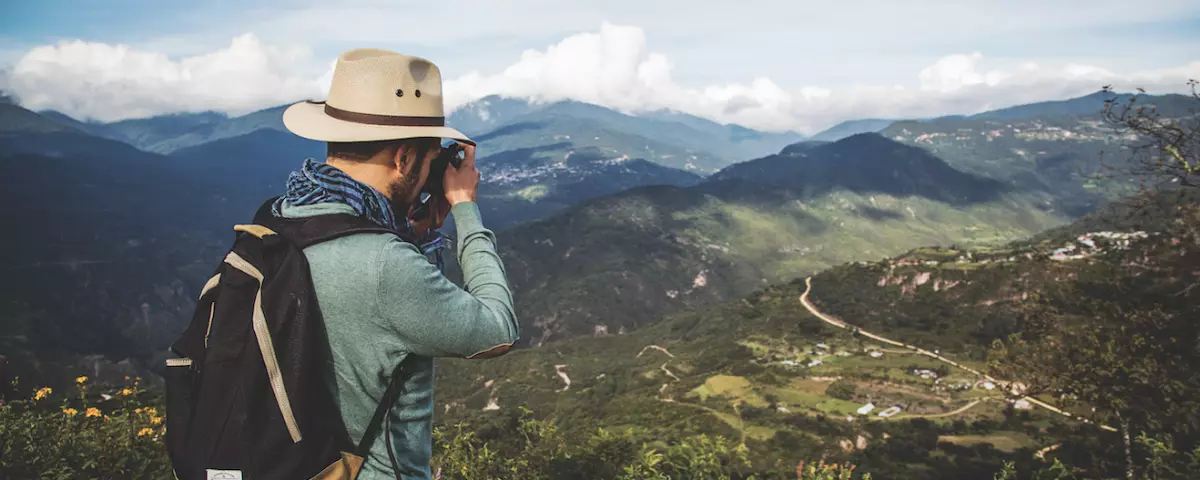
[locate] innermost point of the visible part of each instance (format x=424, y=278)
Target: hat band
x=393, y=120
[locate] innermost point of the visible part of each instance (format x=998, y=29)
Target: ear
x=402, y=159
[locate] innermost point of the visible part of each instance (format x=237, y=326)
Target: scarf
x=319, y=182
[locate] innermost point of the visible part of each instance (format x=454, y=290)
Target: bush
x=83, y=435
x=841, y=389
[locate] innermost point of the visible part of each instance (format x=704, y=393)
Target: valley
x=858, y=298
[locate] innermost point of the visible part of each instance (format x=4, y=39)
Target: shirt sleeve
x=432, y=315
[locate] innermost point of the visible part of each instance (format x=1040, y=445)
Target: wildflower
x=81, y=379
x=94, y=412
x=152, y=412
x=42, y=393
x=156, y=420
x=145, y=431
x=126, y=392
x=71, y=412
x=139, y=410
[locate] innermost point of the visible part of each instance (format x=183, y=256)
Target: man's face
x=406, y=187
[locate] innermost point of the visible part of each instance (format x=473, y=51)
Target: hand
x=462, y=184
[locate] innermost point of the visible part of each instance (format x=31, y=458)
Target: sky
x=780, y=65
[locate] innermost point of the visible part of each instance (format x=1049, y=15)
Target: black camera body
x=437, y=169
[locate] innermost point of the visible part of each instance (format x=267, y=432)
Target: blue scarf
x=318, y=182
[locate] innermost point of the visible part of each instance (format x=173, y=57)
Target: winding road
x=843, y=325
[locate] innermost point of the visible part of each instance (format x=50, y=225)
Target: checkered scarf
x=319, y=182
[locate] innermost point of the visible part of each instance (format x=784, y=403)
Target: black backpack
x=246, y=397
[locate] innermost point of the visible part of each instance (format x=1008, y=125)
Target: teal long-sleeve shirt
x=384, y=302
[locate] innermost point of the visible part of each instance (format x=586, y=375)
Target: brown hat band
x=373, y=119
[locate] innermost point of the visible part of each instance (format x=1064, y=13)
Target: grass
x=1006, y=442
x=531, y=193
x=729, y=386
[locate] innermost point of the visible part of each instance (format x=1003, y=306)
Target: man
x=382, y=300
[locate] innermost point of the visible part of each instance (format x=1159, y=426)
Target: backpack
x=246, y=397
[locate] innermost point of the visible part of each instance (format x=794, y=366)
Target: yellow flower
x=127, y=391
x=137, y=411
x=80, y=379
x=156, y=420
x=42, y=393
x=93, y=412
x=70, y=412
x=152, y=412
x=145, y=431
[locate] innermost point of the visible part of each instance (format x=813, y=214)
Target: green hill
x=661, y=249
x=745, y=368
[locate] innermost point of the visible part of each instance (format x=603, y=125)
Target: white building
x=1022, y=404
x=889, y=412
x=814, y=363
x=865, y=409
x=875, y=354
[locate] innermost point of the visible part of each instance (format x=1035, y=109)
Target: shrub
x=83, y=435
x=841, y=389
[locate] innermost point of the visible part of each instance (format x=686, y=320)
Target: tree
x=841, y=389
x=1163, y=146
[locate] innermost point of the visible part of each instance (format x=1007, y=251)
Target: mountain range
x=107, y=263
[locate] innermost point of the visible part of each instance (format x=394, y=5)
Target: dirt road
x=843, y=325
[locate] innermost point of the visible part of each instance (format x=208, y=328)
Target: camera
x=437, y=169
x=433, y=184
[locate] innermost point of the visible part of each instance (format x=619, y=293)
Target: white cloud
x=113, y=82
x=613, y=66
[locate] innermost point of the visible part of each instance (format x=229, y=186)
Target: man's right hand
x=462, y=184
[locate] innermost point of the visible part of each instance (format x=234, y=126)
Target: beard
x=399, y=192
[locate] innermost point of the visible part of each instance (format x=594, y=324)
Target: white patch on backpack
x=223, y=474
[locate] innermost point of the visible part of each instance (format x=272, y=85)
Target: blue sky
x=773, y=65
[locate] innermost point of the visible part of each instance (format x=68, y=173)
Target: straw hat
x=376, y=95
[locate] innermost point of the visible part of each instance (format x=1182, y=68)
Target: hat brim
x=310, y=121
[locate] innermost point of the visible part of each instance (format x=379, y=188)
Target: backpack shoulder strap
x=395, y=385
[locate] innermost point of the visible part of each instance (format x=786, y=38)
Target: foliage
x=54, y=435
x=1165, y=147
x=842, y=389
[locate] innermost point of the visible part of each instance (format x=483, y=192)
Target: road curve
x=845, y=326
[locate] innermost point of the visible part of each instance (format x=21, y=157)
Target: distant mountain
x=168, y=133
x=743, y=139
x=15, y=120
x=667, y=138
x=1089, y=105
x=523, y=185
x=866, y=163
x=662, y=249
x=487, y=114
x=1052, y=148
x=851, y=127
